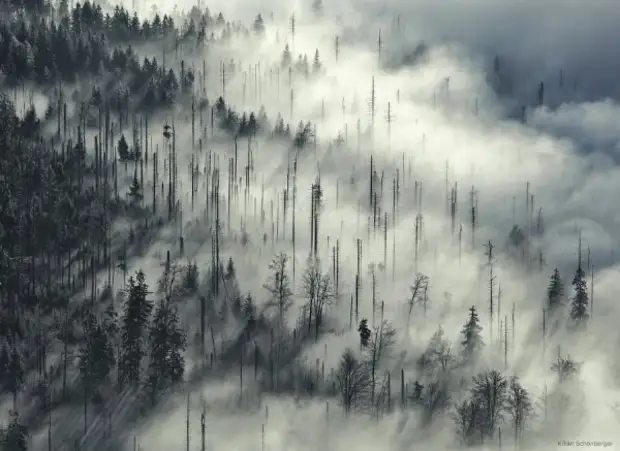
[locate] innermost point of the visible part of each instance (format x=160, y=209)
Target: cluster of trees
x=302, y=65
x=56, y=211
x=126, y=343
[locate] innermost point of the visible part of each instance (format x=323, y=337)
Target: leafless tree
x=520, y=407
x=381, y=340
x=444, y=356
x=565, y=368
x=417, y=293
x=319, y=292
x=466, y=416
x=437, y=353
x=279, y=287
x=435, y=399
x=490, y=390
x=167, y=284
x=353, y=380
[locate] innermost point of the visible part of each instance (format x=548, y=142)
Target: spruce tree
x=96, y=356
x=137, y=310
x=364, y=332
x=16, y=435
x=4, y=365
x=135, y=190
x=579, y=307
x=15, y=374
x=167, y=343
x=555, y=291
x=472, y=339
x=316, y=65
x=123, y=149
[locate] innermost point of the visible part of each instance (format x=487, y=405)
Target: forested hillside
x=322, y=228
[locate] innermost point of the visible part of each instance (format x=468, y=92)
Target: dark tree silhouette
x=472, y=342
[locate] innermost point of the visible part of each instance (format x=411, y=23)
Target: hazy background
x=566, y=150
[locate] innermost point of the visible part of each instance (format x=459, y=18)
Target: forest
x=425, y=277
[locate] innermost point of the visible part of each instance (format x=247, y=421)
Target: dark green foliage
x=286, y=57
x=167, y=343
x=304, y=135
x=15, y=437
x=135, y=190
x=472, y=342
x=259, y=25
x=579, y=307
x=490, y=392
x=123, y=149
x=15, y=373
x=555, y=291
x=230, y=269
x=190, y=278
x=364, y=332
x=137, y=310
x=417, y=392
x=96, y=354
x=4, y=365
x=565, y=368
x=316, y=64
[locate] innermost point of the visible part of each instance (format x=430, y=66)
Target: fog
x=447, y=125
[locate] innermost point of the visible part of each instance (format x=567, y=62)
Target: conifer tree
x=16, y=435
x=316, y=65
x=135, y=190
x=137, y=310
x=4, y=365
x=123, y=149
x=15, y=374
x=167, y=343
x=364, y=332
x=555, y=291
x=579, y=307
x=472, y=339
x=96, y=356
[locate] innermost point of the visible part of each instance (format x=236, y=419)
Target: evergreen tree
x=472, y=339
x=230, y=269
x=417, y=395
x=135, y=190
x=123, y=149
x=96, y=356
x=4, y=365
x=555, y=291
x=287, y=59
x=137, y=310
x=16, y=435
x=249, y=310
x=252, y=126
x=110, y=323
x=259, y=25
x=15, y=374
x=364, y=332
x=190, y=277
x=167, y=343
x=579, y=307
x=316, y=65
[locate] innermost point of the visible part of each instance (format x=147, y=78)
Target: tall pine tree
x=15, y=436
x=167, y=343
x=15, y=374
x=96, y=356
x=555, y=292
x=137, y=310
x=472, y=342
x=579, y=306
